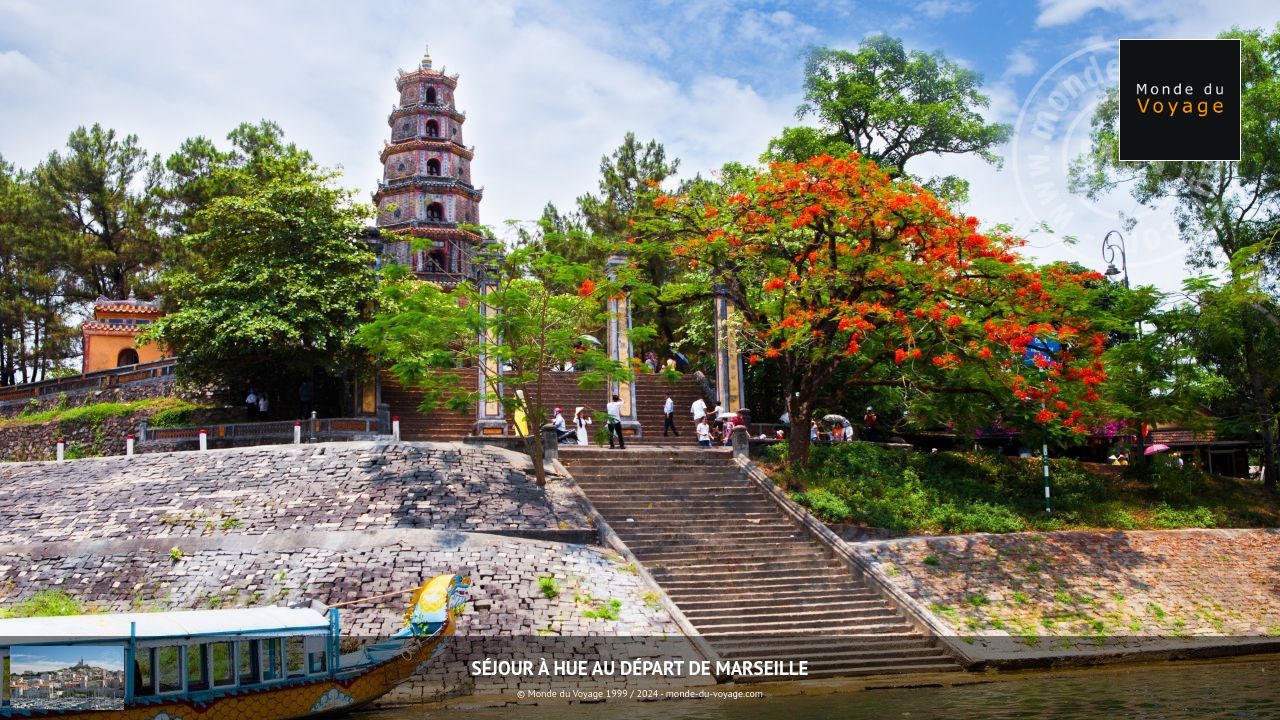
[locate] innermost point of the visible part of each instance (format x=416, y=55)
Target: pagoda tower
x=426, y=189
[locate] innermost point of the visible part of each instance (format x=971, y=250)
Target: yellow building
x=109, y=337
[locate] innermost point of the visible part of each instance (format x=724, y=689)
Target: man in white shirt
x=615, y=422
x=669, y=417
x=704, y=432
x=699, y=410
x=561, y=427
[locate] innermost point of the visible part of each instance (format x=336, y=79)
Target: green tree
x=283, y=279
x=627, y=177
x=519, y=322
x=1224, y=210
x=891, y=106
x=104, y=188
x=835, y=263
x=35, y=333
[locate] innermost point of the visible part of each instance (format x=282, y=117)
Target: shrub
x=176, y=416
x=1169, y=518
x=46, y=603
x=825, y=504
x=607, y=610
x=550, y=590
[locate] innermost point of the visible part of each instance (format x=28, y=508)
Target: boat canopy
x=72, y=629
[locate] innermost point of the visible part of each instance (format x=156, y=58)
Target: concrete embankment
x=1041, y=599
x=333, y=522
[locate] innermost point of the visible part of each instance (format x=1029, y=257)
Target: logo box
x=1179, y=100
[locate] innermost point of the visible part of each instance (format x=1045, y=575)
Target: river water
x=1173, y=691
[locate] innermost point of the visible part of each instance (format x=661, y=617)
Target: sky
x=550, y=86
x=56, y=657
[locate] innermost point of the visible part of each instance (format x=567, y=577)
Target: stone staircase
x=750, y=580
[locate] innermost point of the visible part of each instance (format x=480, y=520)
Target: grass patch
x=169, y=409
x=46, y=603
x=968, y=492
x=549, y=587
x=606, y=610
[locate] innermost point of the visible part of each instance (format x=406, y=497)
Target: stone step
x=793, y=618
x=863, y=670
x=833, y=655
x=746, y=646
x=678, y=556
x=746, y=567
x=796, y=609
x=685, y=587
x=639, y=538
x=748, y=630
x=817, y=596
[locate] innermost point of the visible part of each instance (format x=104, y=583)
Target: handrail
x=97, y=379
x=317, y=429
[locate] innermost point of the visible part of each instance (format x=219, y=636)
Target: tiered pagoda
x=426, y=188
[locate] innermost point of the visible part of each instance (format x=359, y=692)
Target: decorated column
x=619, y=348
x=730, y=389
x=490, y=418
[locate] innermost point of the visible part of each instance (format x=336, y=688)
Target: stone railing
x=266, y=433
x=89, y=381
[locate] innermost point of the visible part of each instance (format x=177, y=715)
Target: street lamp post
x=1109, y=248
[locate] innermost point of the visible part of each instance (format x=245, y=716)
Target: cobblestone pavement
x=1080, y=591
x=509, y=612
x=328, y=486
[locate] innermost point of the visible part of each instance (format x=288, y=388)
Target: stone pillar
x=490, y=418
x=618, y=345
x=741, y=440
x=730, y=389
x=550, y=442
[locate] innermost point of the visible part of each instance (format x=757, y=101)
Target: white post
x=395, y=428
x=128, y=445
x=297, y=432
x=204, y=440
x=62, y=447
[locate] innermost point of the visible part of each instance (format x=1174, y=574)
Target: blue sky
x=54, y=657
x=550, y=86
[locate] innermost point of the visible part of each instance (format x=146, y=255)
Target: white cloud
x=1021, y=63
x=937, y=9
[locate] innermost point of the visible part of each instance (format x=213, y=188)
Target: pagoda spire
x=426, y=190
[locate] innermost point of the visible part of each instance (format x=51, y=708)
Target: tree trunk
x=801, y=410
x=1266, y=418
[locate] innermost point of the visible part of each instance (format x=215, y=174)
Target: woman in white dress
x=581, y=419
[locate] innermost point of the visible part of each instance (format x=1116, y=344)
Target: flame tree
x=832, y=262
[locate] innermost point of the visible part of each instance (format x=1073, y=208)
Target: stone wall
x=508, y=613
x=259, y=490
x=159, y=387
x=336, y=522
x=1036, y=598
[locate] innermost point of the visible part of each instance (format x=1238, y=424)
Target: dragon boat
x=265, y=663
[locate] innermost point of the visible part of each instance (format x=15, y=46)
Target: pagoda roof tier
x=405, y=78
x=424, y=142
x=431, y=229
x=428, y=182
x=419, y=108
x=132, y=306
x=102, y=327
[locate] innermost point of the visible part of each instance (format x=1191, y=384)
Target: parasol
x=1158, y=447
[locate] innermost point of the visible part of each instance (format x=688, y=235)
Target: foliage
x=36, y=335
x=514, y=320
x=605, y=610
x=831, y=263
x=951, y=492
x=281, y=283
x=45, y=603
x=549, y=587
x=94, y=414
x=890, y=105
x=104, y=190
x=1227, y=212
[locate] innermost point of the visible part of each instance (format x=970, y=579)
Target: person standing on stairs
x=581, y=419
x=669, y=417
x=699, y=410
x=615, y=422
